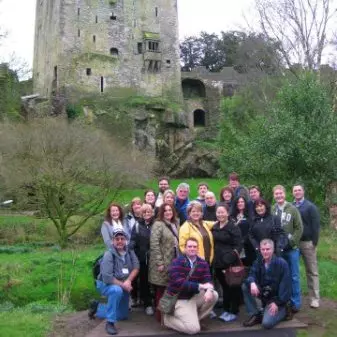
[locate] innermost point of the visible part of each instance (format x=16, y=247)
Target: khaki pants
x=309, y=254
x=188, y=313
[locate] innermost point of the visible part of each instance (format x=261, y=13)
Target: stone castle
x=95, y=45
x=90, y=46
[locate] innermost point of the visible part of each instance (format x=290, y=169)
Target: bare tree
x=301, y=28
x=67, y=171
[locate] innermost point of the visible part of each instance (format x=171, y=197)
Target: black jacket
x=209, y=213
x=226, y=239
x=265, y=227
x=140, y=240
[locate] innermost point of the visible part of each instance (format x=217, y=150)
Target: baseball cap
x=119, y=231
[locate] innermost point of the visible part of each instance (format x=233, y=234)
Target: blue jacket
x=277, y=276
x=311, y=221
x=181, y=208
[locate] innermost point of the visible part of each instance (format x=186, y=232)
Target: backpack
x=96, y=266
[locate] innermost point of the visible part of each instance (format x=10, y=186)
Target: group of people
x=168, y=243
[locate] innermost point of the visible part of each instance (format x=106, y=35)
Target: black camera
x=266, y=292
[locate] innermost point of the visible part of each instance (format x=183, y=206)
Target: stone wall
x=95, y=45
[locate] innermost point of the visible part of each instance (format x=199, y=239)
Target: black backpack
x=96, y=266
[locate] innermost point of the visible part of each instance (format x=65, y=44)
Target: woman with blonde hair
x=196, y=228
x=169, y=197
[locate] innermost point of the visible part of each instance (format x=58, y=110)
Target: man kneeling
x=118, y=269
x=196, y=295
x=269, y=280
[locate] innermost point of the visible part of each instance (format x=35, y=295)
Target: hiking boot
x=110, y=328
x=253, y=320
x=294, y=310
x=289, y=313
x=92, y=309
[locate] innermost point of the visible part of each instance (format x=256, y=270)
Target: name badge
x=125, y=271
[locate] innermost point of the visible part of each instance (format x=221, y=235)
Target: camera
x=266, y=292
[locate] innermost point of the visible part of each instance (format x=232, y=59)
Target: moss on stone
x=96, y=57
x=151, y=36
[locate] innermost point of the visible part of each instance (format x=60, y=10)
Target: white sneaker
x=212, y=315
x=224, y=316
x=314, y=303
x=149, y=311
x=231, y=317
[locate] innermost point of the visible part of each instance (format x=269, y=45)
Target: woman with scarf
x=113, y=220
x=163, y=249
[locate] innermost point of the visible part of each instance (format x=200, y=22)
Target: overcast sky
x=17, y=17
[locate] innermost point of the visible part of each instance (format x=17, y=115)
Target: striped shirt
x=178, y=272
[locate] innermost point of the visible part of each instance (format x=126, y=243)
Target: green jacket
x=291, y=223
x=162, y=252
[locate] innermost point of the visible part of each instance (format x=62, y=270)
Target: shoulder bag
x=234, y=275
x=167, y=302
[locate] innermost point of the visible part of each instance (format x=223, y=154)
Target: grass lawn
x=18, y=323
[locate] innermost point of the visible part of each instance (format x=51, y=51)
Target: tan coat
x=162, y=252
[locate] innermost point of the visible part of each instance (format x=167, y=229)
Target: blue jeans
x=117, y=308
x=268, y=321
x=292, y=257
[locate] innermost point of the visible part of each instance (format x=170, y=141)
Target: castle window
x=153, y=46
x=149, y=68
x=140, y=47
x=168, y=61
x=78, y=33
x=199, y=118
x=156, y=11
x=113, y=17
x=156, y=66
x=78, y=11
x=88, y=71
x=114, y=51
x=96, y=19
x=94, y=38
x=102, y=84
x=55, y=73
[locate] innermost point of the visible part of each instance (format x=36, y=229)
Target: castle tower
x=97, y=45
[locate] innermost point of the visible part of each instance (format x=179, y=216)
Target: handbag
x=167, y=302
x=234, y=275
